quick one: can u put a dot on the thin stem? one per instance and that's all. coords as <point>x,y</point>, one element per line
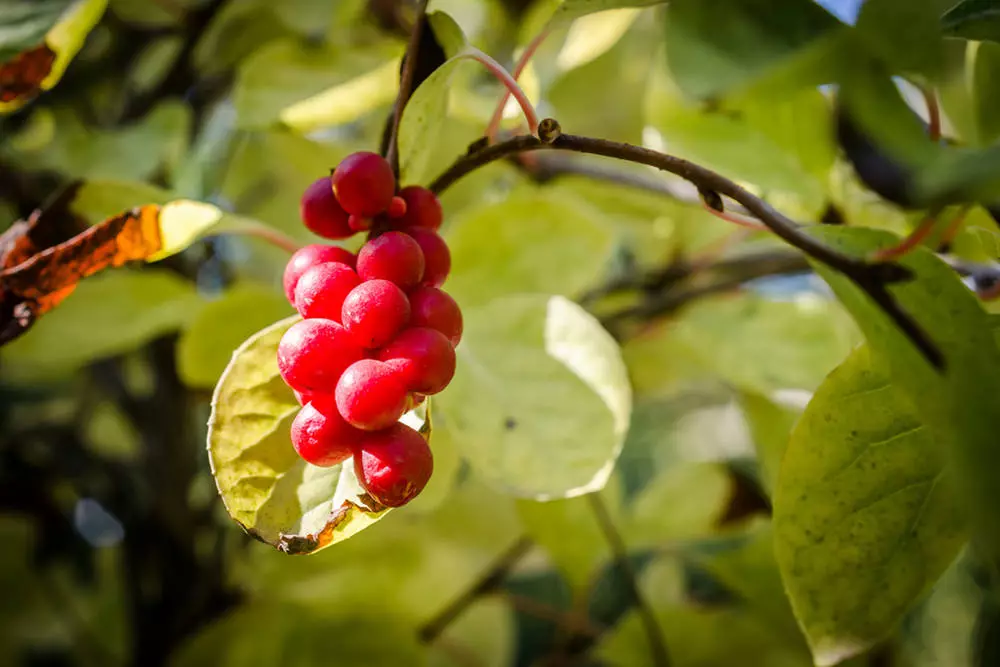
<point>571,621</point>
<point>487,582</point>
<point>406,83</point>
<point>933,113</point>
<point>953,228</point>
<point>522,62</point>
<point>657,648</point>
<point>908,244</point>
<point>269,234</point>
<point>509,83</point>
<point>870,278</point>
<point>734,218</point>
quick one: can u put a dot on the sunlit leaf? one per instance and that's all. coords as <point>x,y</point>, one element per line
<point>680,502</point>
<point>866,513</point>
<point>540,403</point>
<point>267,488</point>
<point>346,101</point>
<point>593,35</point>
<point>39,39</point>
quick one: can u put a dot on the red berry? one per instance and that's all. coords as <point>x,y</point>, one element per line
<point>321,213</point>
<point>433,308</point>
<point>437,257</point>
<point>392,256</point>
<point>322,289</point>
<point>423,357</point>
<point>364,184</point>
<point>323,438</point>
<point>397,208</point>
<point>422,208</point>
<point>374,312</point>
<point>393,465</point>
<point>309,256</point>
<point>303,397</point>
<point>313,353</point>
<point>359,223</point>
<point>371,395</point>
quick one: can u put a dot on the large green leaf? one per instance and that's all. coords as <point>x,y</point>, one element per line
<point>206,346</point>
<point>682,501</point>
<point>534,241</point>
<point>770,423</point>
<point>569,10</point>
<point>38,38</point>
<point>961,404</point>
<point>713,47</point>
<point>986,91</point>
<point>866,512</point>
<point>540,402</point>
<point>267,488</point>
<point>918,46</point>
<point>425,116</point>
<point>108,314</point>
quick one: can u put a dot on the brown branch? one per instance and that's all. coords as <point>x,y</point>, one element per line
<point>870,278</point>
<point>406,83</point>
<point>489,581</point>
<point>654,636</point>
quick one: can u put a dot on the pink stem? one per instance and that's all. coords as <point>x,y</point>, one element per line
<point>272,236</point>
<point>735,219</point>
<point>916,237</point>
<point>522,62</point>
<point>508,81</point>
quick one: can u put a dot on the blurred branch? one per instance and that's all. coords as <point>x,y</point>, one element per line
<point>654,636</point>
<point>871,278</point>
<point>406,81</point>
<point>488,582</point>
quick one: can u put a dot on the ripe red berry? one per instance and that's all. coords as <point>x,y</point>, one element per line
<point>359,223</point>
<point>313,353</point>
<point>374,312</point>
<point>322,289</point>
<point>433,308</point>
<point>422,208</point>
<point>397,208</point>
<point>392,256</point>
<point>393,465</point>
<point>323,438</point>
<point>437,257</point>
<point>321,213</point>
<point>364,184</point>
<point>424,359</point>
<point>371,395</point>
<point>308,256</point>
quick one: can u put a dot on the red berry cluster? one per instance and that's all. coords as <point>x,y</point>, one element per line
<point>378,333</point>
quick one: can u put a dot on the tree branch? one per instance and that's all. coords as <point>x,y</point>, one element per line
<point>870,278</point>
<point>406,83</point>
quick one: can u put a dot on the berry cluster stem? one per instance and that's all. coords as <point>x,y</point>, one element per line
<point>509,82</point>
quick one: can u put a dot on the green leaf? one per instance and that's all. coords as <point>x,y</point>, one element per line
<point>866,514</point>
<point>425,116</point>
<point>973,19</point>
<point>986,91</point>
<point>533,241</point>
<point>917,47</point>
<point>206,346</point>
<point>770,423</point>
<point>761,345</point>
<point>37,42</point>
<point>591,36</point>
<point>681,502</point>
<point>485,634</point>
<point>108,314</point>
<point>345,101</point>
<point>540,402</point>
<point>713,47</point>
<point>267,488</point>
<point>285,73</point>
<point>569,10</point>
<point>134,152</point>
<point>960,406</point>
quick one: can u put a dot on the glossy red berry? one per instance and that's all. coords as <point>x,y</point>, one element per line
<point>324,438</point>
<point>322,289</point>
<point>359,223</point>
<point>321,212</point>
<point>422,208</point>
<point>424,359</point>
<point>364,184</point>
<point>437,257</point>
<point>394,464</point>
<point>308,256</point>
<point>435,309</point>
<point>314,353</point>
<point>371,395</point>
<point>397,208</point>
<point>374,312</point>
<point>393,256</point>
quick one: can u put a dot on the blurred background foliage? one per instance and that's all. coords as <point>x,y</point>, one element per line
<point>116,548</point>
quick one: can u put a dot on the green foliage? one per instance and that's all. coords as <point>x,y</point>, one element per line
<point>540,402</point>
<point>866,513</point>
<point>973,19</point>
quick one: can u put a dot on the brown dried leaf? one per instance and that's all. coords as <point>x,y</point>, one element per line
<point>22,76</point>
